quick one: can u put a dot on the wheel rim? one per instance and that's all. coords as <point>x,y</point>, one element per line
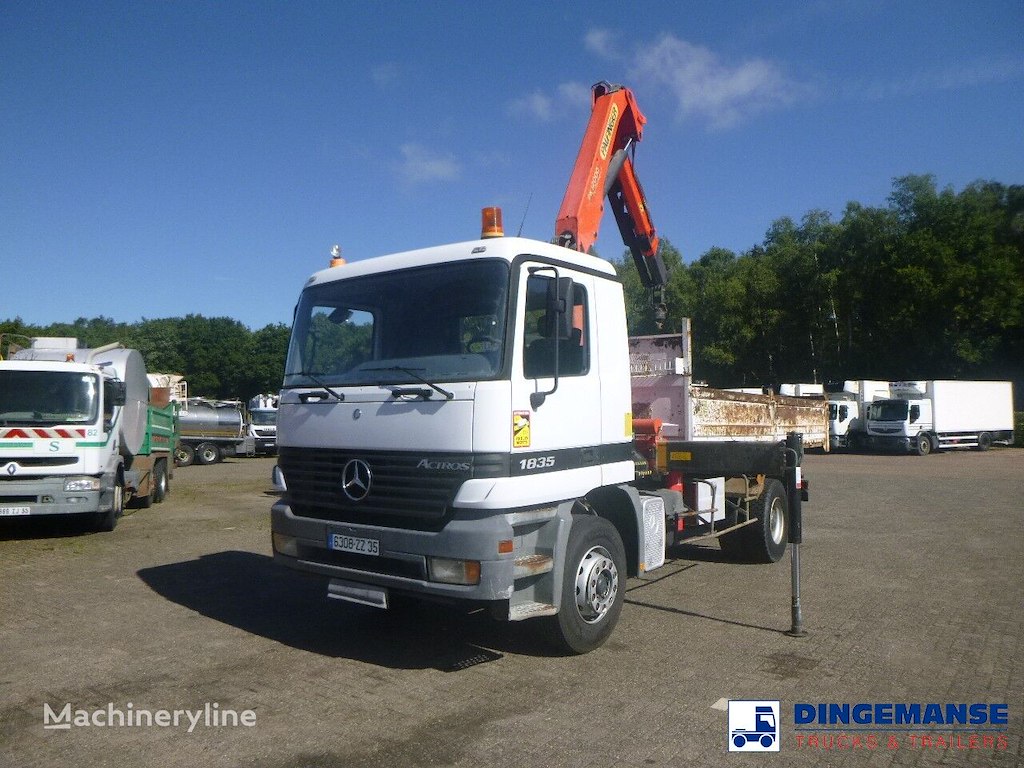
<point>597,584</point>
<point>776,521</point>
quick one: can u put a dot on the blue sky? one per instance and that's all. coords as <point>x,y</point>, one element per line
<point>159,159</point>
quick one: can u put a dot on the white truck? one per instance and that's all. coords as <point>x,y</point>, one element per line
<point>261,423</point>
<point>924,416</point>
<point>79,433</point>
<point>847,411</point>
<point>457,423</point>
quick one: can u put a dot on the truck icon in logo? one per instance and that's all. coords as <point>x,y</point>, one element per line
<point>753,726</point>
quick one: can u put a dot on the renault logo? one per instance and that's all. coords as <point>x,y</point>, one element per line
<point>355,479</point>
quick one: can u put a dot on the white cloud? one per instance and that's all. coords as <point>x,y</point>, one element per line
<point>705,86</point>
<point>957,75</point>
<point>535,105</point>
<point>603,43</point>
<point>420,165</point>
<point>568,98</point>
<point>575,96</point>
<point>384,74</point>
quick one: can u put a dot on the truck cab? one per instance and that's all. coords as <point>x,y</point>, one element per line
<point>901,424</point>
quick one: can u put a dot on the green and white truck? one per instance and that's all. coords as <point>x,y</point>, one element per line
<point>81,432</point>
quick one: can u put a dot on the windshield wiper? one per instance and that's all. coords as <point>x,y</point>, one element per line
<point>337,395</point>
<point>424,393</point>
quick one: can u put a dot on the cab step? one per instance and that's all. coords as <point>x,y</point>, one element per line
<point>529,610</point>
<point>532,565</point>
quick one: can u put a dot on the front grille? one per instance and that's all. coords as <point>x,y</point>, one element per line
<point>408,490</point>
<point>39,461</point>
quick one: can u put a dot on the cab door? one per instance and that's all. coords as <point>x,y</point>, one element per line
<point>556,390</point>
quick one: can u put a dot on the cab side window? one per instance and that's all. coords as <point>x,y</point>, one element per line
<point>540,333</point>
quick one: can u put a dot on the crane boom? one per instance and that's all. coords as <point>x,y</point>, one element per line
<point>604,168</point>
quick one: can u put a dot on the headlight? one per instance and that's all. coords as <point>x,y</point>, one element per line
<point>448,571</point>
<point>277,479</point>
<point>285,545</point>
<point>81,484</point>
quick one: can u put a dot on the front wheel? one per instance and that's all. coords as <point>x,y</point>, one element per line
<point>922,445</point>
<point>107,521</point>
<point>184,455</point>
<point>593,585</point>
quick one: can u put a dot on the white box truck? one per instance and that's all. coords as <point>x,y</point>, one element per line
<point>924,416</point>
<point>847,412</point>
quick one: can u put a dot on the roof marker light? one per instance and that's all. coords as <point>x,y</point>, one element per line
<point>336,260</point>
<point>491,225</point>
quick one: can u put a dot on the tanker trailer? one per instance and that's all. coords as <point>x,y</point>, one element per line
<point>208,430</point>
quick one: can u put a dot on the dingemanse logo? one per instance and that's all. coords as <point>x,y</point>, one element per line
<point>754,726</point>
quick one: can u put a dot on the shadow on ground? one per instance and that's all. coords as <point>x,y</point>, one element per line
<point>248,591</point>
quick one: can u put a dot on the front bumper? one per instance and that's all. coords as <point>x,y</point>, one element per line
<point>402,562</point>
<point>890,443</point>
<point>46,496</point>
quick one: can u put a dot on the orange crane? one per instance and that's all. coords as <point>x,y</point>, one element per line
<point>604,168</point>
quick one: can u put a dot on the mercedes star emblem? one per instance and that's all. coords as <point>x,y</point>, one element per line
<point>355,479</point>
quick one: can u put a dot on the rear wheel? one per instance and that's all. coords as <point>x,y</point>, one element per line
<point>763,541</point>
<point>161,485</point>
<point>593,585</point>
<point>984,441</point>
<point>207,453</point>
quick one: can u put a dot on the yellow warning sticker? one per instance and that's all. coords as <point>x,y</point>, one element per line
<point>520,429</point>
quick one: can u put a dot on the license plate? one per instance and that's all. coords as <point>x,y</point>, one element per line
<point>12,511</point>
<point>341,543</point>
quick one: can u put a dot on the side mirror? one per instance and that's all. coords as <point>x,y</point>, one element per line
<point>559,308</point>
<point>118,393</point>
<point>557,325</point>
<point>915,413</point>
<point>844,412</point>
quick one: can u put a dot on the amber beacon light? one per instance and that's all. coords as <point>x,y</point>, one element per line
<point>490,225</point>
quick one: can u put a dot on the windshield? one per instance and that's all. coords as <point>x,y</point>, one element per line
<point>437,323</point>
<point>889,410</point>
<point>263,418</point>
<point>47,398</point>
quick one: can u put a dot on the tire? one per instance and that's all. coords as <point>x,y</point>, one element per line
<point>984,441</point>
<point>593,586</point>
<point>922,445</point>
<point>144,502</point>
<point>765,540</point>
<point>207,453</point>
<point>184,455</point>
<point>161,485</point>
<point>107,521</point>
